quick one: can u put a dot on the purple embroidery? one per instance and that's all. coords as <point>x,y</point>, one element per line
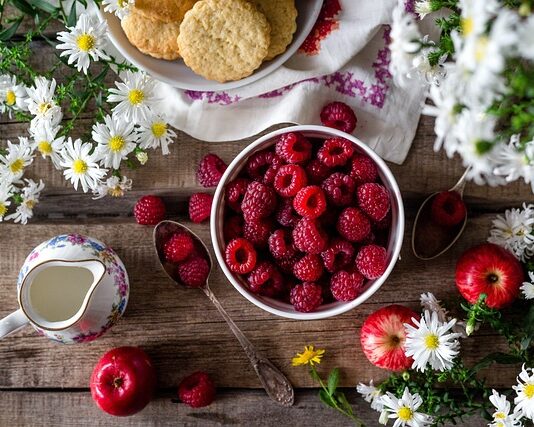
<point>221,98</point>
<point>282,90</point>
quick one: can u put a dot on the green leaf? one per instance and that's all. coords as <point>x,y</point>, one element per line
<point>499,357</point>
<point>344,402</point>
<point>333,381</point>
<point>314,375</point>
<point>71,19</point>
<point>44,5</point>
<point>326,398</point>
<point>24,7</point>
<point>10,31</point>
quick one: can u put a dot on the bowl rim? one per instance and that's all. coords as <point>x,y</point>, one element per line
<point>341,308</point>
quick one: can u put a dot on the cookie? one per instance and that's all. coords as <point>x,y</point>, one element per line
<point>224,40</point>
<point>164,10</point>
<point>282,15</point>
<point>152,37</point>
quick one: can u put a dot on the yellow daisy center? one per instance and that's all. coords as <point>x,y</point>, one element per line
<point>122,3</point>
<point>431,341</point>
<point>116,143</point>
<point>136,96</point>
<point>11,98</point>
<point>529,390</point>
<point>30,204</point>
<point>159,129</point>
<point>481,48</point>
<point>79,166</point>
<point>499,415</point>
<point>116,191</point>
<point>44,107</point>
<point>17,166</point>
<point>85,42</point>
<point>467,25</point>
<point>3,210</point>
<point>404,413</point>
<point>45,148</point>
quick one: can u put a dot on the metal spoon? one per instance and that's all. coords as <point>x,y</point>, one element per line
<point>275,383</point>
<point>429,240</point>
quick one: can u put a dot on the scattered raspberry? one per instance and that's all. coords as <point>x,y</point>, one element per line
<point>259,201</point>
<point>289,180</point>
<point>335,152</point>
<point>339,115</point>
<point>265,279</point>
<point>338,256</point>
<point>317,171</point>
<point>194,272</point>
<point>353,225</point>
<point>197,390</point>
<point>373,199</point>
<point>257,231</point>
<point>339,189</point>
<point>149,210</point>
<point>259,162</point>
<point>240,256</point>
<point>306,297</point>
<point>293,147</point>
<point>235,191</point>
<point>309,268</point>
<point>280,245</point>
<point>346,286</point>
<point>310,201</point>
<point>448,208</point>
<point>210,170</point>
<point>371,261</point>
<point>200,207</point>
<point>363,169</point>
<point>178,247</point>
<point>309,237</point>
<point>233,227</point>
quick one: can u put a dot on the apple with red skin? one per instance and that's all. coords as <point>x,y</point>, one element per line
<point>123,381</point>
<point>383,336</point>
<point>489,269</point>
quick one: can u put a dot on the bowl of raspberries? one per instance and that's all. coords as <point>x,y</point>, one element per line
<point>307,222</point>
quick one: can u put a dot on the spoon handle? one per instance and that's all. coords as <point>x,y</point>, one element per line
<point>275,383</point>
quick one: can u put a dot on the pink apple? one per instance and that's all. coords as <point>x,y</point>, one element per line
<point>491,270</point>
<point>383,336</point>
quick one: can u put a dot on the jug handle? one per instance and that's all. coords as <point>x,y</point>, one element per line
<point>12,323</point>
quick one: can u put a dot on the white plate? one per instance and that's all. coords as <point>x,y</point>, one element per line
<point>177,74</point>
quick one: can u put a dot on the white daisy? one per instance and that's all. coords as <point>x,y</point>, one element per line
<point>514,161</point>
<point>526,38</point>
<point>114,187</point>
<point>86,41</point>
<point>423,8</point>
<point>30,197</point>
<point>81,165</point>
<point>155,132</point>
<point>116,139</point>
<point>502,416</point>
<point>41,101</point>
<point>46,142</point>
<point>6,191</point>
<point>524,401</point>
<point>527,287</point>
<point>12,95</point>
<point>18,157</point>
<point>431,303</point>
<point>371,394</point>
<point>404,410</point>
<point>135,95</point>
<point>120,8</point>
<point>475,15</point>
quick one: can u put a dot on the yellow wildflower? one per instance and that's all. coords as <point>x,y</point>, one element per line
<point>308,357</point>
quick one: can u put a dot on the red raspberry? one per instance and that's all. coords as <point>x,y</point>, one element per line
<point>197,390</point>
<point>346,286</point>
<point>373,199</point>
<point>233,227</point>
<point>258,231</point>
<point>310,202</point>
<point>280,245</point>
<point>259,201</point>
<point>194,272</point>
<point>306,297</point>
<point>235,191</point>
<point>363,169</point>
<point>265,279</point>
<point>448,208</point>
<point>285,214</point>
<point>210,170</point>
<point>339,115</point>
<point>309,268</point>
<point>259,163</point>
<point>240,256</point>
<point>353,225</point>
<point>338,256</point>
<point>289,180</point>
<point>371,261</point>
<point>149,210</point>
<point>309,237</point>
<point>200,206</point>
<point>293,147</point>
<point>286,264</point>
<point>272,170</point>
<point>335,152</point>
<point>317,171</point>
<point>178,247</point>
<point>339,189</point>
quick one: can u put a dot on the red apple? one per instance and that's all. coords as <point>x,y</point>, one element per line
<point>383,336</point>
<point>491,270</point>
<point>123,381</point>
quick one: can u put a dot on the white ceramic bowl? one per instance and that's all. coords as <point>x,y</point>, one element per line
<point>177,74</point>
<point>278,307</point>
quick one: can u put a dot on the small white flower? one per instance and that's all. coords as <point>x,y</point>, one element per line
<point>116,139</point>
<point>135,95</point>
<point>526,38</point>
<point>142,157</point>
<point>524,401</point>
<point>6,191</point>
<point>371,394</point>
<point>527,287</point>
<point>30,197</point>
<point>18,157</point>
<point>514,161</point>
<point>41,101</point>
<point>431,303</point>
<point>404,410</point>
<point>120,8</point>
<point>12,95</point>
<point>81,166</point>
<point>154,132</point>
<point>114,187</point>
<point>46,142</point>
<point>423,8</point>
<point>502,416</point>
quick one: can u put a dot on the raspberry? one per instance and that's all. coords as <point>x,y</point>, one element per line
<point>448,208</point>
<point>293,147</point>
<point>149,210</point>
<point>338,256</point>
<point>310,202</point>
<point>265,279</point>
<point>200,207</point>
<point>257,231</point>
<point>197,390</point>
<point>353,225</point>
<point>259,163</point>
<point>194,272</point>
<point>371,261</point>
<point>384,223</point>
<point>270,173</point>
<point>280,245</point>
<point>286,264</point>
<point>259,201</point>
<point>363,169</point>
<point>309,237</point>
<point>178,247</point>
<point>339,115</point>
<point>335,152</point>
<point>306,297</point>
<point>309,268</point>
<point>373,199</point>
<point>317,171</point>
<point>339,189</point>
<point>285,214</point>
<point>210,170</point>
<point>240,256</point>
<point>235,191</point>
<point>233,227</point>
<point>289,180</point>
<point>346,286</point>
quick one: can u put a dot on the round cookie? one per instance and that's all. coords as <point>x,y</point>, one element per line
<point>152,37</point>
<point>164,10</point>
<point>224,40</point>
<point>282,15</point>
